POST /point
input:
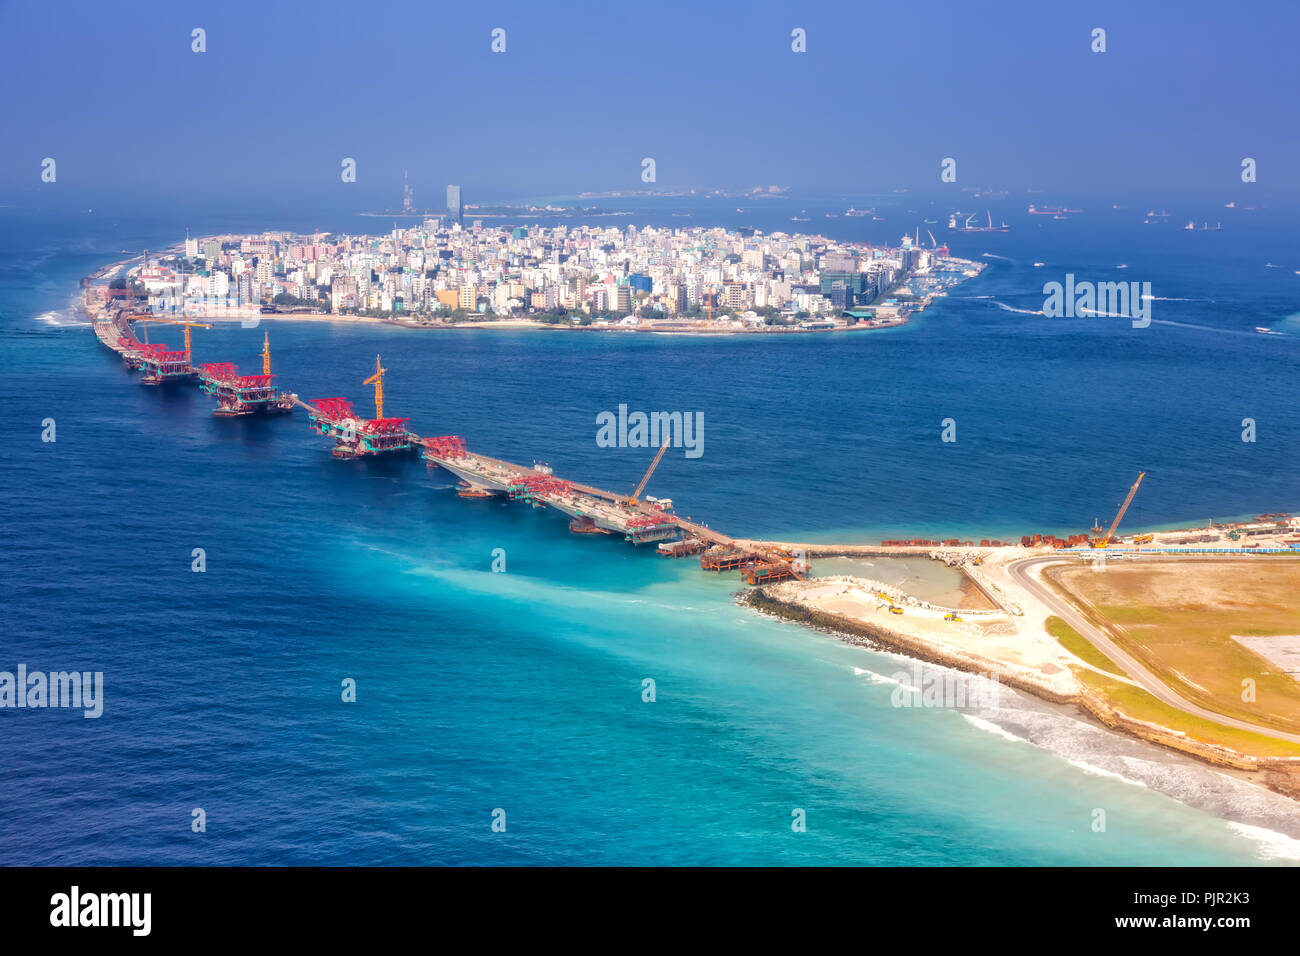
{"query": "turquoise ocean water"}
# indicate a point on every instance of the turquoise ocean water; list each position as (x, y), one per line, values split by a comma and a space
(523, 690)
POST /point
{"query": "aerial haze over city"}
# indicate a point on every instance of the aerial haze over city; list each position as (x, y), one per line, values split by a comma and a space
(599, 437)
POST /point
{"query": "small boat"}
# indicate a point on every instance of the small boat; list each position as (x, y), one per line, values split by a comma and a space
(1039, 265)
(1263, 331)
(1122, 265)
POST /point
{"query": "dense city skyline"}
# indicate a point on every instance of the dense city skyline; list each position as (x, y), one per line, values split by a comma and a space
(437, 272)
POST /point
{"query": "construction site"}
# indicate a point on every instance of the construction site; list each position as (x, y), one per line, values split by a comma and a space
(637, 518)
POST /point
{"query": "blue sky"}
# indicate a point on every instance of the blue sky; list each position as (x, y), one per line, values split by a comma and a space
(584, 91)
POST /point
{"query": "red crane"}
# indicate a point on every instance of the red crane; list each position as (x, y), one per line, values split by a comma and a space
(631, 501)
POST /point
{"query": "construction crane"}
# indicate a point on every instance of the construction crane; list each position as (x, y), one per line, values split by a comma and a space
(630, 502)
(189, 350)
(266, 353)
(933, 244)
(1102, 542)
(377, 380)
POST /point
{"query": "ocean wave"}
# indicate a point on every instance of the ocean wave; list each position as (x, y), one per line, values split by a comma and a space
(58, 318)
(1096, 771)
(874, 678)
(1272, 845)
(1250, 809)
(989, 726)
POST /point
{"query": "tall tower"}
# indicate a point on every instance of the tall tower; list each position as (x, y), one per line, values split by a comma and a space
(408, 196)
(453, 203)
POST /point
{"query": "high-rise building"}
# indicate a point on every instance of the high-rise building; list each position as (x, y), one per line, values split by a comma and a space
(453, 203)
(408, 195)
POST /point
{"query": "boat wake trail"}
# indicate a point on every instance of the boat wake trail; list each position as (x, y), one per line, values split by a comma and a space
(1011, 308)
(1200, 328)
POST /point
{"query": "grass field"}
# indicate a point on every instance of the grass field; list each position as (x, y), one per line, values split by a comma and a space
(1136, 703)
(1178, 618)
(1079, 646)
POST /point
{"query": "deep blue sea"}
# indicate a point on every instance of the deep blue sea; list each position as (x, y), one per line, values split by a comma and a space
(523, 690)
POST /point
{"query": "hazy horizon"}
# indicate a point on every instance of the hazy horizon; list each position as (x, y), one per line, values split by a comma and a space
(582, 95)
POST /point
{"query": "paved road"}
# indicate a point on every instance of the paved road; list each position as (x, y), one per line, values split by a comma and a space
(1144, 678)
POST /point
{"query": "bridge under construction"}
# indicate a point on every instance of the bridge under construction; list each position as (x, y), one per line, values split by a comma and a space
(591, 510)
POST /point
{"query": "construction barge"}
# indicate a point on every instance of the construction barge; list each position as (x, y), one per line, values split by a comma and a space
(237, 395)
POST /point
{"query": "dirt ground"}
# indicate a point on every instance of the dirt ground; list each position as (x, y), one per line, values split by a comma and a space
(1183, 618)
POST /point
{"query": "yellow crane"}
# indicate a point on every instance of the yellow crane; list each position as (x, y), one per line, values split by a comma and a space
(377, 380)
(1102, 542)
(266, 353)
(189, 349)
(631, 501)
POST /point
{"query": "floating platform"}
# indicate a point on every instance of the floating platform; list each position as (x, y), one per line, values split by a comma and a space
(356, 437)
(239, 395)
(160, 365)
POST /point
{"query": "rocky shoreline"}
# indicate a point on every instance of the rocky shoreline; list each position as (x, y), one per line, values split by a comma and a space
(1280, 775)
